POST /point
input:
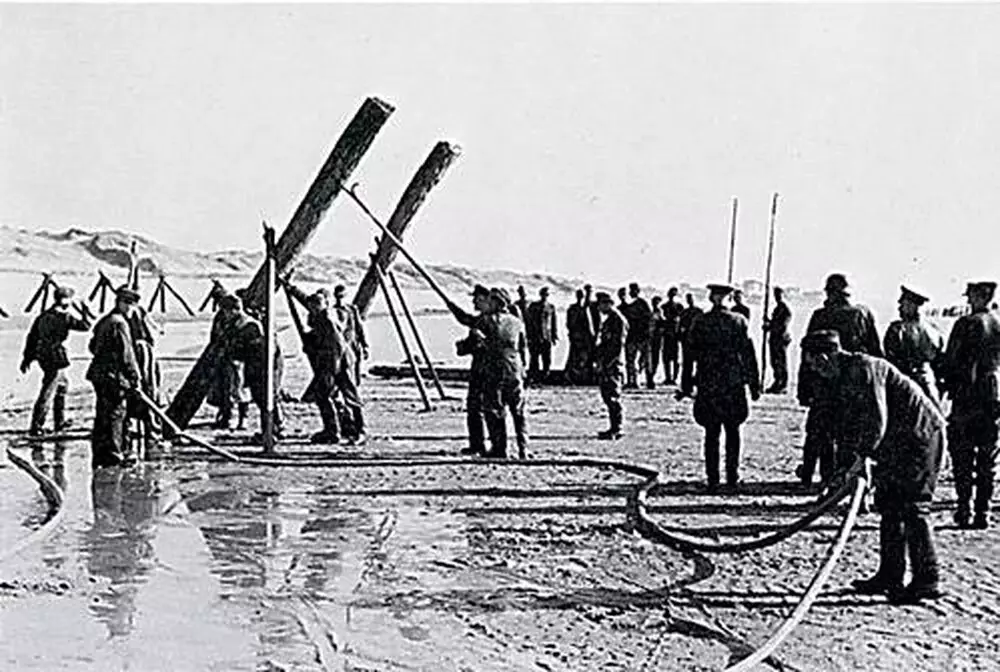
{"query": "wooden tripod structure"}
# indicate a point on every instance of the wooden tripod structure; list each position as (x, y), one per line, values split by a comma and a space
(213, 296)
(101, 289)
(160, 295)
(41, 297)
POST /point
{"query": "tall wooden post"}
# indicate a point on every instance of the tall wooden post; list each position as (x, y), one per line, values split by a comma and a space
(267, 429)
(339, 166)
(416, 335)
(767, 288)
(426, 177)
(402, 338)
(732, 243)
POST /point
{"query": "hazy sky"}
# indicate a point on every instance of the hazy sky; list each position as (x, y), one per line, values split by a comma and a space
(599, 140)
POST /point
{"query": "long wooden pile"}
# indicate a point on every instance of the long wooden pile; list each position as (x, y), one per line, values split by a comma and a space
(345, 157)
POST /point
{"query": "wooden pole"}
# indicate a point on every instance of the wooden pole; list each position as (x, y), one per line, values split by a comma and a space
(767, 287)
(269, 342)
(343, 159)
(732, 242)
(416, 335)
(38, 293)
(427, 176)
(398, 243)
(402, 340)
(184, 304)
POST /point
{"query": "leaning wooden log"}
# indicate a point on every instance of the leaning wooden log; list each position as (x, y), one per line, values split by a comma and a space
(335, 172)
(428, 175)
(344, 158)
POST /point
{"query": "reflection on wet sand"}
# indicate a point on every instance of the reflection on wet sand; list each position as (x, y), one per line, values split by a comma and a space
(119, 544)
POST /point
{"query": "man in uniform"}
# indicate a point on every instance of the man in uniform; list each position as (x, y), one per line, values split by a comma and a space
(778, 339)
(581, 338)
(655, 340)
(474, 345)
(522, 304)
(972, 380)
(542, 332)
(721, 365)
(885, 417)
(610, 361)
(46, 345)
(690, 313)
(114, 373)
(914, 346)
(353, 329)
(594, 311)
(227, 389)
(637, 312)
(672, 311)
(855, 325)
(739, 307)
(505, 376)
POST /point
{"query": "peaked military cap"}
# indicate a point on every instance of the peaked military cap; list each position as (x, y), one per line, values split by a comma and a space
(544, 291)
(127, 294)
(719, 288)
(602, 297)
(480, 290)
(822, 340)
(911, 295)
(339, 290)
(837, 282)
(982, 287)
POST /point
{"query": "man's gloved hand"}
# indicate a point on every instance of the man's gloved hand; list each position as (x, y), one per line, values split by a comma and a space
(754, 394)
(25, 365)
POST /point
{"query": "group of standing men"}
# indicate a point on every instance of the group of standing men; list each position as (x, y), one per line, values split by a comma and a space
(122, 362)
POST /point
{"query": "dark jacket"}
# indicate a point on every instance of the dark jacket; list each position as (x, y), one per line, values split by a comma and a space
(916, 348)
(113, 351)
(499, 338)
(777, 326)
(326, 345)
(541, 325)
(721, 357)
(972, 364)
(672, 312)
(611, 341)
(638, 314)
(578, 324)
(742, 310)
(47, 337)
(855, 325)
(688, 316)
(884, 414)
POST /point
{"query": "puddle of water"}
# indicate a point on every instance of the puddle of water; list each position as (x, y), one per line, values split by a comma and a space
(194, 566)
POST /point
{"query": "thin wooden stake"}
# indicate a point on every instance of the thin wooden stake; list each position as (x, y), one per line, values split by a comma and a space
(767, 287)
(416, 335)
(402, 339)
(732, 242)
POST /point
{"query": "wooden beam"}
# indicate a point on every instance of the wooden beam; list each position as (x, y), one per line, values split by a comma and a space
(428, 175)
(343, 159)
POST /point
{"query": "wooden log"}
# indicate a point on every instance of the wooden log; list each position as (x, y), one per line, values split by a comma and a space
(343, 159)
(428, 175)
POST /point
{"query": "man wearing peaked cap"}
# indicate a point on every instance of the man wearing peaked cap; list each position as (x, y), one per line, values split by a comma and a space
(972, 380)
(114, 372)
(721, 364)
(913, 345)
(884, 417)
(855, 325)
(46, 345)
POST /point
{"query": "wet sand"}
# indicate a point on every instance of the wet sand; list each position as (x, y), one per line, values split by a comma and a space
(195, 564)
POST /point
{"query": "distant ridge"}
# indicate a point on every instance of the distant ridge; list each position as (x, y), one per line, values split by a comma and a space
(79, 252)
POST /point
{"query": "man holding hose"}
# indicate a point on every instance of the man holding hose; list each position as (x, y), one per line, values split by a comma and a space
(884, 416)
